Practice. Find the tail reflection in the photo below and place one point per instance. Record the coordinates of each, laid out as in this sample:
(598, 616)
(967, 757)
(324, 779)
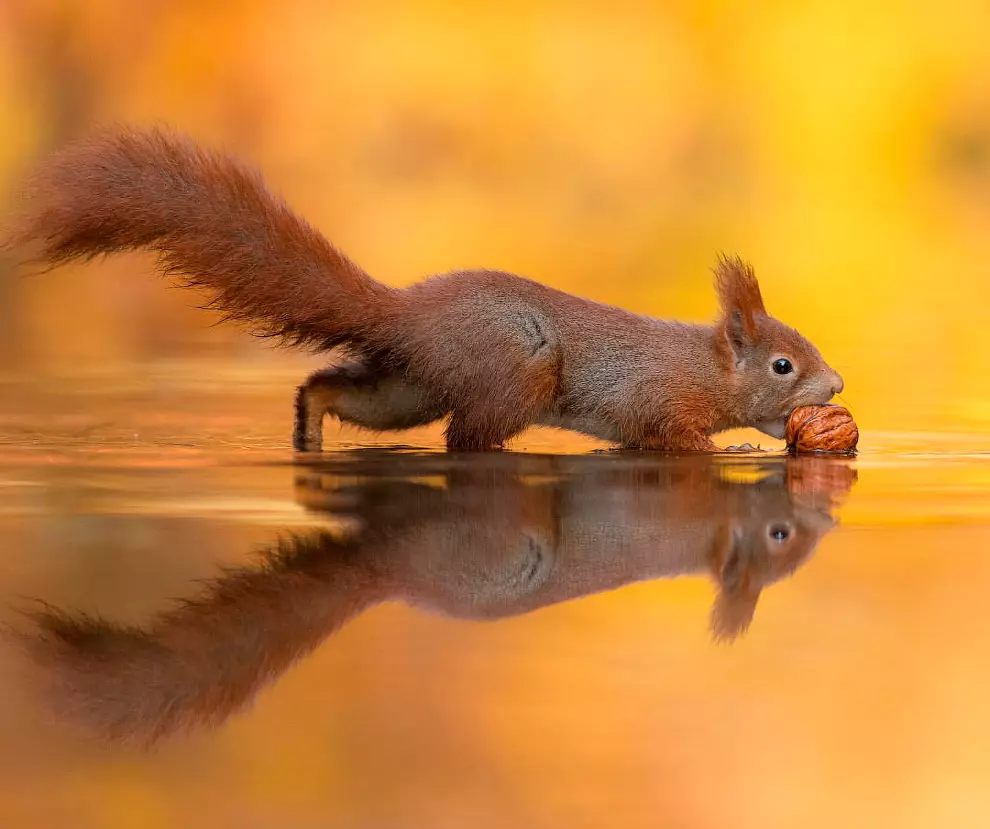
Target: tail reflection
(481, 538)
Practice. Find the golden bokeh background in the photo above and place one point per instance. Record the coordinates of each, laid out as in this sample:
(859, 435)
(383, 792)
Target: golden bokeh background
(607, 149)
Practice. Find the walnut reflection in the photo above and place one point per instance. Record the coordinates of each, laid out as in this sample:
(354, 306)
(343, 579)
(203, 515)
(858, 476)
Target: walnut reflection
(479, 538)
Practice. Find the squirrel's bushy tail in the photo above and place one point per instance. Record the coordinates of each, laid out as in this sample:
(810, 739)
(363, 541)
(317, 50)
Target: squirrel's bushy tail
(214, 226)
(197, 664)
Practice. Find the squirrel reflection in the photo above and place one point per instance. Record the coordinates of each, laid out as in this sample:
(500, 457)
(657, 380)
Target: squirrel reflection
(501, 536)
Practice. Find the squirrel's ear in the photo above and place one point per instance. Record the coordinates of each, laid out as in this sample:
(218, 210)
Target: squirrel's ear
(740, 298)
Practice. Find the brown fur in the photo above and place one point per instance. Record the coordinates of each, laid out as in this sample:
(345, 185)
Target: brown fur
(213, 225)
(497, 539)
(737, 288)
(207, 658)
(491, 351)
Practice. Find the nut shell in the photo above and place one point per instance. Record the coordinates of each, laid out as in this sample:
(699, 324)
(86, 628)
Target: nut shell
(821, 479)
(827, 428)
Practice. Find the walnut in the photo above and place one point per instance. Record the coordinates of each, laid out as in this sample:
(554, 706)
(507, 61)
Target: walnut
(827, 428)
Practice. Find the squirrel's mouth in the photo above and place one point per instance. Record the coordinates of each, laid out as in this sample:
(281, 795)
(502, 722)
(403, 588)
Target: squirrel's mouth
(775, 428)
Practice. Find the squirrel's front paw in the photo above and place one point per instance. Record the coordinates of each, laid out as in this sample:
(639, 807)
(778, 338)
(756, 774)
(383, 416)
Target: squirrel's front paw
(746, 447)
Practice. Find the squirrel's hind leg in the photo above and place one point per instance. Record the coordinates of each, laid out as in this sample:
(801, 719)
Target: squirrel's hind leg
(357, 393)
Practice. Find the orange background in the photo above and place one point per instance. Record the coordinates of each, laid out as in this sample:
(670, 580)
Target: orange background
(607, 149)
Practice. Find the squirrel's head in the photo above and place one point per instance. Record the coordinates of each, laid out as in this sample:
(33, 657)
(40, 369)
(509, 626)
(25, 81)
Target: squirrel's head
(772, 369)
(767, 534)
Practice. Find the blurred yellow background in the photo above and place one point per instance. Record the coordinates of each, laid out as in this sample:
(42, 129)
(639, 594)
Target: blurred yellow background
(607, 149)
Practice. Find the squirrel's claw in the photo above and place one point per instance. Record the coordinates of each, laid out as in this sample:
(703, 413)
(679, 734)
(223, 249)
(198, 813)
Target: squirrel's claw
(746, 447)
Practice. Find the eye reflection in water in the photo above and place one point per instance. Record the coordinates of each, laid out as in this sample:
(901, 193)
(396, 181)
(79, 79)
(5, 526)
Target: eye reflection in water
(479, 537)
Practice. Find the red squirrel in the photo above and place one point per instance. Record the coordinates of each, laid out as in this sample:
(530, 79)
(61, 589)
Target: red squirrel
(494, 540)
(491, 352)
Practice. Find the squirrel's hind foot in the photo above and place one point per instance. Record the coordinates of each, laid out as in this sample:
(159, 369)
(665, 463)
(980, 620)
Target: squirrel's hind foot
(357, 393)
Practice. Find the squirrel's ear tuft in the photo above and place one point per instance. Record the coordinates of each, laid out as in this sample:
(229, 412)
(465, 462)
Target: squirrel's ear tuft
(741, 301)
(738, 592)
(739, 292)
(731, 615)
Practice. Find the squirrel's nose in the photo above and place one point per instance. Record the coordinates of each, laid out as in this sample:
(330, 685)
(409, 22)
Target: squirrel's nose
(837, 384)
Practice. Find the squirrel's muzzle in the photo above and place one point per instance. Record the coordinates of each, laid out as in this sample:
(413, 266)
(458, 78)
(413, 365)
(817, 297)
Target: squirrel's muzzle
(837, 384)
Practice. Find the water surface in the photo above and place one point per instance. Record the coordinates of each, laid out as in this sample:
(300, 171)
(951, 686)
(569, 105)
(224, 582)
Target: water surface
(209, 631)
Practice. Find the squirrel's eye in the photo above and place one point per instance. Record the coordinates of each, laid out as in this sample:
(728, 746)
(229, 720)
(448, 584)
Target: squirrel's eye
(779, 534)
(782, 366)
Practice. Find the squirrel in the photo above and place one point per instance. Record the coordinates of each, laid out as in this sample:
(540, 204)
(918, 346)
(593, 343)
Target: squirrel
(492, 352)
(491, 541)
